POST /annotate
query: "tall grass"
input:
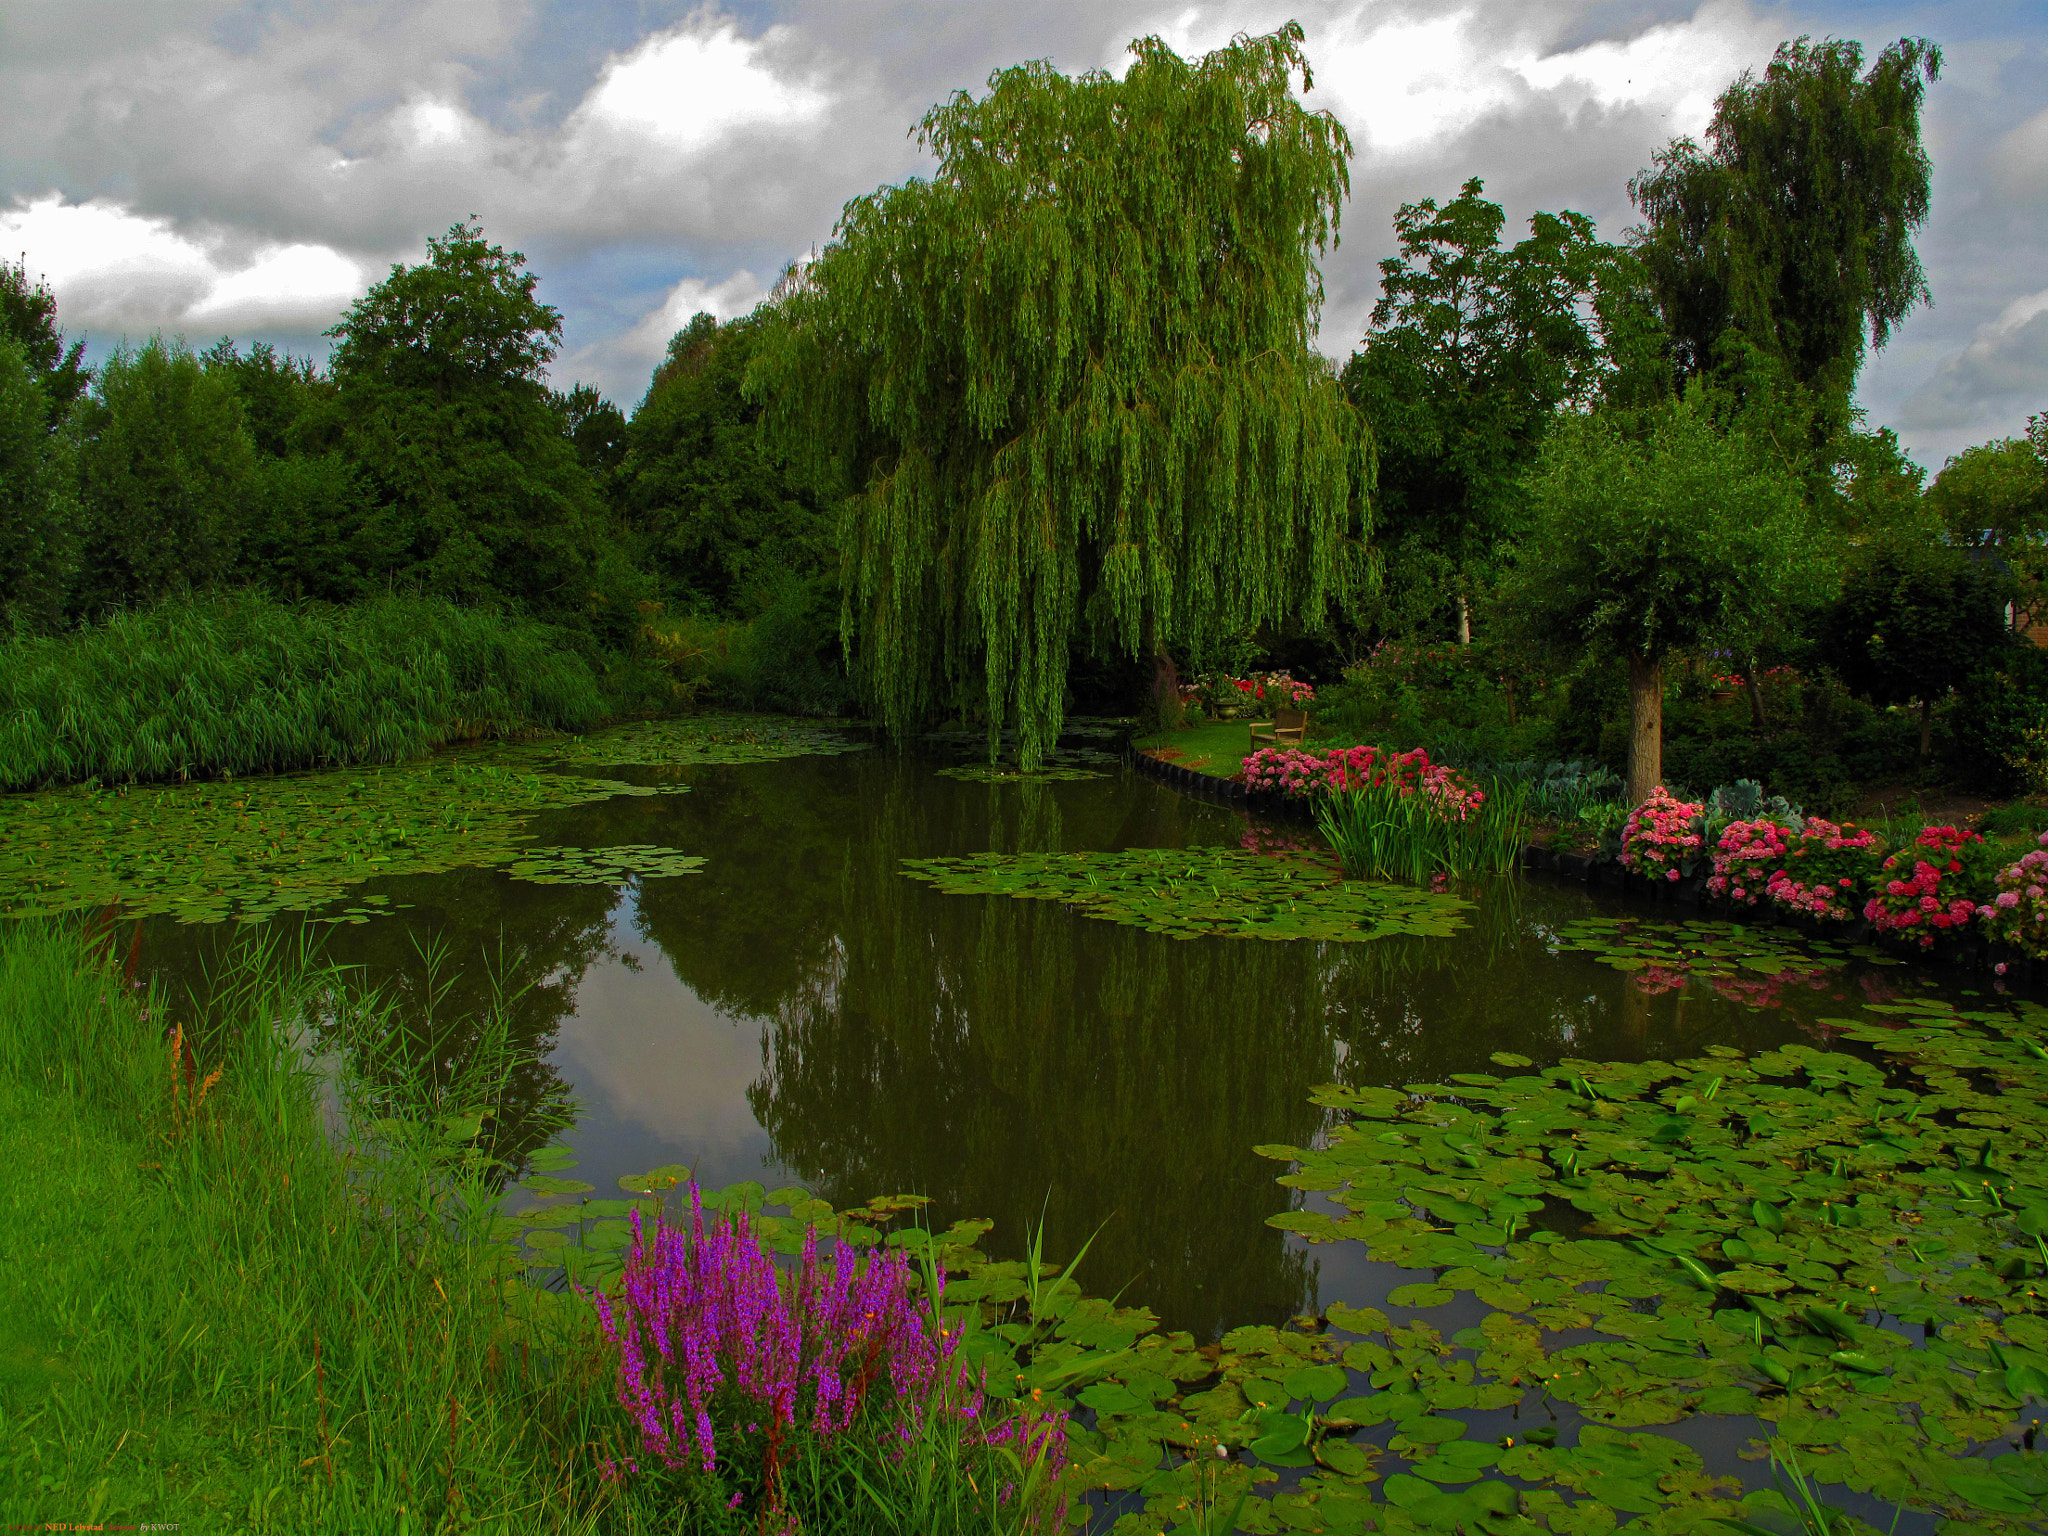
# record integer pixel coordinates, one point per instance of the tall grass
(1381, 833)
(255, 1282)
(239, 683)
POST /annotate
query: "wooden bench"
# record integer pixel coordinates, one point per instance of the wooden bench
(1289, 729)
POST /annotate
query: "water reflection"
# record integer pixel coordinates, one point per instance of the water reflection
(801, 1011)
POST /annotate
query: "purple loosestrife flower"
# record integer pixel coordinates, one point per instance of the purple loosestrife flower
(703, 1317)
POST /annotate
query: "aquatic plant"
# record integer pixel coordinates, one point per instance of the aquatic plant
(2018, 912)
(1929, 887)
(1661, 838)
(252, 848)
(1190, 893)
(1388, 829)
(689, 742)
(238, 683)
(706, 1327)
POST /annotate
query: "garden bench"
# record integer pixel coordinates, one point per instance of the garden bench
(1289, 729)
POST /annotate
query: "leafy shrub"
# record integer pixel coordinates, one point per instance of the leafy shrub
(1931, 887)
(1999, 727)
(2018, 909)
(1816, 867)
(1661, 838)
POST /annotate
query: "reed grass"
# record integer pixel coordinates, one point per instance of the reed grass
(238, 683)
(251, 1281)
(1381, 833)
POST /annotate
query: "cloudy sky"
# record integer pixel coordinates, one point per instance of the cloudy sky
(210, 168)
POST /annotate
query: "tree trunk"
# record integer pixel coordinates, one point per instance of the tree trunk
(1926, 730)
(1464, 620)
(1756, 696)
(1645, 727)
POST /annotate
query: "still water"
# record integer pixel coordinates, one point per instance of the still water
(800, 1012)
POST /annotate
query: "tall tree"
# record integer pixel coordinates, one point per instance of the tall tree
(718, 521)
(1472, 348)
(441, 409)
(36, 533)
(1916, 616)
(165, 469)
(1994, 497)
(1790, 233)
(28, 317)
(1648, 543)
(1068, 383)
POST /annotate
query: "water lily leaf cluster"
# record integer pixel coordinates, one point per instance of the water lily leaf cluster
(1707, 948)
(694, 741)
(1052, 771)
(1192, 893)
(251, 848)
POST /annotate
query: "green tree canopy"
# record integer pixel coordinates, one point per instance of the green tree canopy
(1473, 346)
(1915, 617)
(1648, 543)
(36, 543)
(441, 410)
(165, 470)
(28, 317)
(1067, 384)
(717, 521)
(1792, 229)
(1995, 497)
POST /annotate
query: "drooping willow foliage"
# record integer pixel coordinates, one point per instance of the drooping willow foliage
(1067, 384)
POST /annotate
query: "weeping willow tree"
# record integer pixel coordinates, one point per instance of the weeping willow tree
(1066, 386)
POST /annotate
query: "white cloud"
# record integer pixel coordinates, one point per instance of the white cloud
(686, 89)
(621, 365)
(115, 270)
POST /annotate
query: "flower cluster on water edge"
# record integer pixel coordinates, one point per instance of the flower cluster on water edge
(2018, 912)
(1816, 870)
(1299, 774)
(1661, 836)
(724, 1361)
(1916, 891)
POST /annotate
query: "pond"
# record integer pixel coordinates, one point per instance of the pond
(796, 1011)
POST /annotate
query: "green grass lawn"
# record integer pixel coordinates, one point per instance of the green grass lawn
(1219, 748)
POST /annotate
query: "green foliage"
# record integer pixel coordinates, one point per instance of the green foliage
(2000, 724)
(376, 1375)
(28, 318)
(1381, 833)
(1642, 546)
(722, 528)
(165, 475)
(37, 540)
(439, 408)
(1189, 893)
(1069, 385)
(1914, 619)
(693, 741)
(237, 684)
(1995, 497)
(1472, 349)
(1792, 229)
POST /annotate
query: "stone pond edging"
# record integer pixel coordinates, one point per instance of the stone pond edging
(1587, 869)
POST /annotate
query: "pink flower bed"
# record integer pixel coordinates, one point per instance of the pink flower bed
(1299, 774)
(1658, 839)
(1919, 891)
(2018, 913)
(1824, 868)
(1817, 871)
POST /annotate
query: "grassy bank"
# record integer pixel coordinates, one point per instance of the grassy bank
(256, 1283)
(239, 683)
(211, 1317)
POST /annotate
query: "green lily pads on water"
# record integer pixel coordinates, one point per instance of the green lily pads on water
(251, 848)
(1190, 893)
(693, 741)
(998, 773)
